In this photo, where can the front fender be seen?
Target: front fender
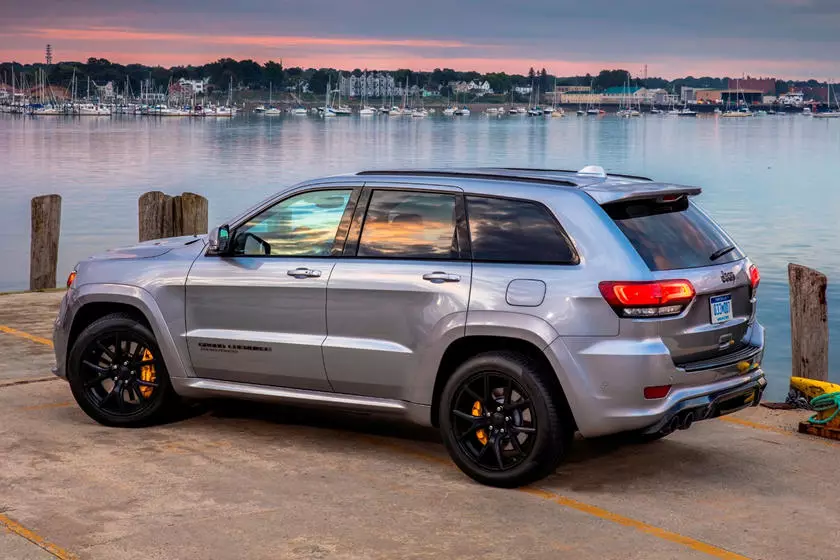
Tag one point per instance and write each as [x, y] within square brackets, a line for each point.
[174, 349]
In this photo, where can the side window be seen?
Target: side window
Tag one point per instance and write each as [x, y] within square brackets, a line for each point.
[304, 225]
[503, 230]
[410, 225]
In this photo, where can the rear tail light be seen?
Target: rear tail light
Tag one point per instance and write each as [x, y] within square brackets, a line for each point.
[648, 299]
[71, 278]
[657, 392]
[755, 278]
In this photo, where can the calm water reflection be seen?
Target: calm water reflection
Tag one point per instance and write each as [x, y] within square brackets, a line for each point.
[771, 181]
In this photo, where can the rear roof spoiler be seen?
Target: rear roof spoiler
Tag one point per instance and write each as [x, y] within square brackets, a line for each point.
[605, 193]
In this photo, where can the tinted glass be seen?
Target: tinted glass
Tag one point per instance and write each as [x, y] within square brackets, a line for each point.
[411, 225]
[516, 231]
[672, 235]
[301, 226]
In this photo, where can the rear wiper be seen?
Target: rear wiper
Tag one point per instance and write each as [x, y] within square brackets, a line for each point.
[720, 252]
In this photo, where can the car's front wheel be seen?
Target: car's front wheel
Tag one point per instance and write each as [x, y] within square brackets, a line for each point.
[501, 422]
[117, 374]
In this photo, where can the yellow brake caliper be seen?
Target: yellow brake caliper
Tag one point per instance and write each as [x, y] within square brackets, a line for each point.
[480, 434]
[147, 374]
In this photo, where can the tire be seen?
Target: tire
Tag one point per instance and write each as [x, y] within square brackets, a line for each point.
[494, 448]
[147, 396]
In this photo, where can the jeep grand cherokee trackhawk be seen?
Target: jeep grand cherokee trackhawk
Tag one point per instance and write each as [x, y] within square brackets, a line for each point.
[507, 307]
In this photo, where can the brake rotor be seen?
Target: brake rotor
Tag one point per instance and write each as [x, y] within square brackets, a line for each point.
[481, 435]
[147, 374]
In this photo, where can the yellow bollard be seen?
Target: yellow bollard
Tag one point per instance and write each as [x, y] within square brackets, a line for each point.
[811, 388]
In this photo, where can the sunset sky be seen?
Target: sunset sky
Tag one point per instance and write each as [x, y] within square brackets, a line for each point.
[782, 38]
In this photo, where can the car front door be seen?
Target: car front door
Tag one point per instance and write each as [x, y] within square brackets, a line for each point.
[401, 291]
[258, 314]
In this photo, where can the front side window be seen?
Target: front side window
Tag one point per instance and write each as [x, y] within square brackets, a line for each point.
[410, 225]
[504, 230]
[304, 225]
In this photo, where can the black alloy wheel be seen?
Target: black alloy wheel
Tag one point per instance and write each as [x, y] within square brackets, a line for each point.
[117, 374]
[118, 370]
[503, 420]
[493, 421]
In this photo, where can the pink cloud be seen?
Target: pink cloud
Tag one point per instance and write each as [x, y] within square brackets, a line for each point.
[115, 34]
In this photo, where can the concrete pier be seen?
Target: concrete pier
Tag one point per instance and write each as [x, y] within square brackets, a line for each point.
[244, 481]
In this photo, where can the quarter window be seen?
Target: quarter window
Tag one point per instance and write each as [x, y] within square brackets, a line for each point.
[504, 230]
[410, 225]
[304, 225]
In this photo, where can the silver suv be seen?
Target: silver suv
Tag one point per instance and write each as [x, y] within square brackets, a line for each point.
[510, 308]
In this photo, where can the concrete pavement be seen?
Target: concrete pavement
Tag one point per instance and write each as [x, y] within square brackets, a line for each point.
[238, 480]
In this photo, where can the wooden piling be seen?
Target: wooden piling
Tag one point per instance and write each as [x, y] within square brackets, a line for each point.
[808, 322]
[161, 215]
[190, 214]
[154, 214]
[43, 248]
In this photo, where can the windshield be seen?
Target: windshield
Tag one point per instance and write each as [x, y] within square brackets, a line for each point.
[673, 235]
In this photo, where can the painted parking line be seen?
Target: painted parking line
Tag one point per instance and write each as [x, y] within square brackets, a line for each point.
[35, 538]
[48, 406]
[658, 532]
[582, 507]
[26, 335]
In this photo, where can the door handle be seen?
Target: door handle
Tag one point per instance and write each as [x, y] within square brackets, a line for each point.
[440, 277]
[303, 272]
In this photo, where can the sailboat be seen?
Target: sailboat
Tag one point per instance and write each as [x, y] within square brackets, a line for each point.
[364, 110]
[829, 114]
[555, 110]
[327, 110]
[736, 113]
[533, 108]
[271, 110]
[590, 106]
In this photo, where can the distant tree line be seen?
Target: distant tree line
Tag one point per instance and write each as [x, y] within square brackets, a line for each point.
[249, 74]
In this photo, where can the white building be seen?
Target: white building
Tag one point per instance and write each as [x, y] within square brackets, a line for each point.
[194, 86]
[523, 90]
[477, 88]
[106, 92]
[792, 98]
[369, 84]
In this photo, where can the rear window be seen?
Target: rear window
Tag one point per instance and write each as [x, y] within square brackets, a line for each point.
[504, 230]
[672, 235]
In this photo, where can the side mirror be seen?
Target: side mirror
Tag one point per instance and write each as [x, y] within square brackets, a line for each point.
[220, 240]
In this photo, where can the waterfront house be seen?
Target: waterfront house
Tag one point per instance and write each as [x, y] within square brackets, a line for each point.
[193, 86]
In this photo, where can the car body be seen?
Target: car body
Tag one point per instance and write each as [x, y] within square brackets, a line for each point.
[376, 315]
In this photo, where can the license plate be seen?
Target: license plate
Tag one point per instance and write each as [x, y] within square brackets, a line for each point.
[721, 309]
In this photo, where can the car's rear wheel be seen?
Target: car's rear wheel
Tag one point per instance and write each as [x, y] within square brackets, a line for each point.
[501, 422]
[117, 374]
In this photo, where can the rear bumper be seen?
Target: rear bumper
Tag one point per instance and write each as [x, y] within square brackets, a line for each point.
[718, 403]
[604, 381]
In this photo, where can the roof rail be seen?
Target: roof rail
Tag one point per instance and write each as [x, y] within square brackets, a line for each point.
[626, 176]
[471, 175]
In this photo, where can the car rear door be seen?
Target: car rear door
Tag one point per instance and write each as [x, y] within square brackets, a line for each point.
[401, 289]
[259, 314]
[677, 240]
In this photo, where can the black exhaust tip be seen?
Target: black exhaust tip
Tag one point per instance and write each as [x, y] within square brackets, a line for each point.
[687, 420]
[674, 424]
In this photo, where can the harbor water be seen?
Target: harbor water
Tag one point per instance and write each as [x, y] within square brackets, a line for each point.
[772, 181]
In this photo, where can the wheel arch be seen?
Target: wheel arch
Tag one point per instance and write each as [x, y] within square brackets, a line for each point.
[95, 310]
[465, 347]
[94, 301]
